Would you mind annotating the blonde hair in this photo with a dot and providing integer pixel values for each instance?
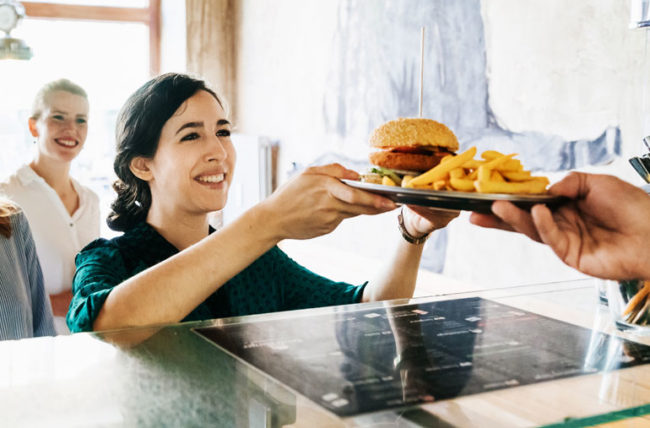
(7, 210)
(47, 89)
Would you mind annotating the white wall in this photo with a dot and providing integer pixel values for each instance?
(282, 64)
(582, 67)
(580, 71)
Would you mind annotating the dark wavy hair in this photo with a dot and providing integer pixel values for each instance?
(138, 129)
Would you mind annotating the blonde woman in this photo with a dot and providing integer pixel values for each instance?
(24, 309)
(63, 214)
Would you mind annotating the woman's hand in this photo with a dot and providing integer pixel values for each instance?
(602, 232)
(420, 221)
(316, 201)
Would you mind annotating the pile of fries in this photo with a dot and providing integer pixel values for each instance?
(494, 173)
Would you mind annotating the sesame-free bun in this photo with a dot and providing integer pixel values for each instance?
(413, 132)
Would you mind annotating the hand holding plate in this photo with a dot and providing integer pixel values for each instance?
(420, 221)
(315, 202)
(602, 232)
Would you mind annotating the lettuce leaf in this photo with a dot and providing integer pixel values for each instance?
(388, 173)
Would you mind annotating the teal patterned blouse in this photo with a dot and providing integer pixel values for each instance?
(273, 282)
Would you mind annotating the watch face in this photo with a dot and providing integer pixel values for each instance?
(8, 17)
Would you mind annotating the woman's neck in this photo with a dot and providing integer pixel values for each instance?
(56, 174)
(179, 229)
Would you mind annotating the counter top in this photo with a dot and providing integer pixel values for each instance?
(172, 376)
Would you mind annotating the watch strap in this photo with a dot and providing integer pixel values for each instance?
(405, 233)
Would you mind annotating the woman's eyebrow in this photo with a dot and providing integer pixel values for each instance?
(190, 125)
(222, 122)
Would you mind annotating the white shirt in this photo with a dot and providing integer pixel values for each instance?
(58, 236)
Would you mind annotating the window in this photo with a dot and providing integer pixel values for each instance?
(108, 58)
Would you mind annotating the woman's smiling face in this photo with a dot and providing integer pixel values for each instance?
(193, 166)
(62, 127)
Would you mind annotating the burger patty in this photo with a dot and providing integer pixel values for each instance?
(406, 161)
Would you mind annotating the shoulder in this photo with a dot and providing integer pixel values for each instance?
(103, 249)
(25, 187)
(21, 233)
(10, 184)
(102, 258)
(19, 223)
(100, 250)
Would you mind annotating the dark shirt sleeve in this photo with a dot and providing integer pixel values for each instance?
(100, 267)
(302, 288)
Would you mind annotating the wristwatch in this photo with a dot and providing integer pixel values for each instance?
(405, 233)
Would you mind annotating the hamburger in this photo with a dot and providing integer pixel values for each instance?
(408, 146)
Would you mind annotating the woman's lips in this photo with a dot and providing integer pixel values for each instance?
(213, 178)
(66, 142)
(213, 181)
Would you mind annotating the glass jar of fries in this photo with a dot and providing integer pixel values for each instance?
(629, 303)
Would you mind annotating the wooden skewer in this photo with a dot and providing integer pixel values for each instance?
(638, 298)
(421, 67)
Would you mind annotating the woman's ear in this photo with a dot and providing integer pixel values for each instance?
(139, 166)
(32, 127)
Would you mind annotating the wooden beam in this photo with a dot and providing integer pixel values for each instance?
(94, 13)
(211, 39)
(154, 37)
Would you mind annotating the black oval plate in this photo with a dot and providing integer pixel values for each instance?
(466, 201)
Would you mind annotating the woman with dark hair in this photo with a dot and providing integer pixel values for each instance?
(175, 163)
(24, 307)
(63, 214)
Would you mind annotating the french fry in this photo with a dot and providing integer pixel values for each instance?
(496, 176)
(473, 164)
(440, 185)
(406, 179)
(484, 173)
(457, 173)
(540, 179)
(386, 181)
(497, 162)
(511, 165)
(516, 175)
(462, 184)
(491, 154)
(495, 173)
(524, 187)
(423, 186)
(439, 172)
